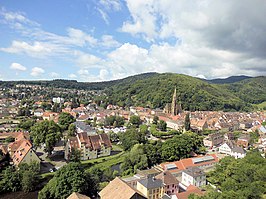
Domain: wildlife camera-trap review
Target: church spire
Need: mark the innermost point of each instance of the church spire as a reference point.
(174, 105)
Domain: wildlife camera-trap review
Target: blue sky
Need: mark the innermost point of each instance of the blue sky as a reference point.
(97, 40)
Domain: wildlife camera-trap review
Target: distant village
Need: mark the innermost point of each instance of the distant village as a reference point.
(223, 134)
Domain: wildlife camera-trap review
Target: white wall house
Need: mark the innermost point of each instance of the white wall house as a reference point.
(194, 176)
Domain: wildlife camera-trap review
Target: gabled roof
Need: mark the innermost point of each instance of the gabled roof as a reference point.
(76, 195)
(194, 172)
(167, 178)
(21, 152)
(190, 190)
(118, 189)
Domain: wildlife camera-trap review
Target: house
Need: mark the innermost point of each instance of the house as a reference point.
(194, 176)
(83, 127)
(76, 195)
(118, 189)
(243, 140)
(229, 136)
(230, 148)
(204, 162)
(170, 182)
(141, 174)
(38, 112)
(90, 146)
(24, 154)
(213, 139)
(50, 116)
(151, 187)
(191, 189)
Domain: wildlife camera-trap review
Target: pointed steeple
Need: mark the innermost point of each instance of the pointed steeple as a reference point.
(173, 106)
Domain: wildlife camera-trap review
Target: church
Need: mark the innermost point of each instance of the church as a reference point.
(173, 108)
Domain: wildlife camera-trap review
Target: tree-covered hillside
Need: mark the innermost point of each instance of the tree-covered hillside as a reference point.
(194, 94)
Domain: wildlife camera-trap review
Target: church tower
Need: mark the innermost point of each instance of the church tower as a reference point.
(173, 105)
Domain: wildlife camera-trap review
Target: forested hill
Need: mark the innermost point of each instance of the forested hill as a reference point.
(155, 90)
(228, 80)
(73, 84)
(194, 94)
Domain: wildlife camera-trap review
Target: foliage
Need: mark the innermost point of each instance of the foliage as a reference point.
(71, 130)
(181, 146)
(26, 124)
(25, 178)
(153, 152)
(238, 178)
(135, 120)
(75, 155)
(160, 134)
(116, 121)
(155, 119)
(46, 132)
(131, 137)
(135, 159)
(70, 178)
(195, 94)
(65, 119)
(161, 125)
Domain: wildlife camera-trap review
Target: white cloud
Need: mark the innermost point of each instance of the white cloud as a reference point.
(36, 49)
(17, 66)
(72, 76)
(104, 74)
(80, 38)
(114, 5)
(54, 75)
(109, 42)
(87, 60)
(37, 71)
(104, 15)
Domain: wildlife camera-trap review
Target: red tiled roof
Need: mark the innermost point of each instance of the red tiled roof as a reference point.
(190, 190)
(21, 152)
(185, 163)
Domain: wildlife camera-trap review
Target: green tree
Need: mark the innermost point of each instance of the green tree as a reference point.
(135, 120)
(46, 132)
(70, 178)
(155, 119)
(187, 122)
(29, 180)
(75, 155)
(65, 119)
(135, 159)
(71, 130)
(10, 180)
(162, 125)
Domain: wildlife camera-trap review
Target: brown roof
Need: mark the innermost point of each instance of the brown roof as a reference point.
(118, 189)
(21, 152)
(76, 195)
(106, 140)
(190, 190)
(167, 178)
(12, 147)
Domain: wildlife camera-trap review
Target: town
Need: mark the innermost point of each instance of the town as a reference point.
(62, 143)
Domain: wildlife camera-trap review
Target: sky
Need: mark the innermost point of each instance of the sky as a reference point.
(100, 40)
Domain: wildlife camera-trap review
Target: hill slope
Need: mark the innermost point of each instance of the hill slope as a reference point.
(228, 80)
(194, 94)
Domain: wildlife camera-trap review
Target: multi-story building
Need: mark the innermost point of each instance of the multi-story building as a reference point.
(213, 139)
(151, 187)
(90, 147)
(193, 176)
(170, 183)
